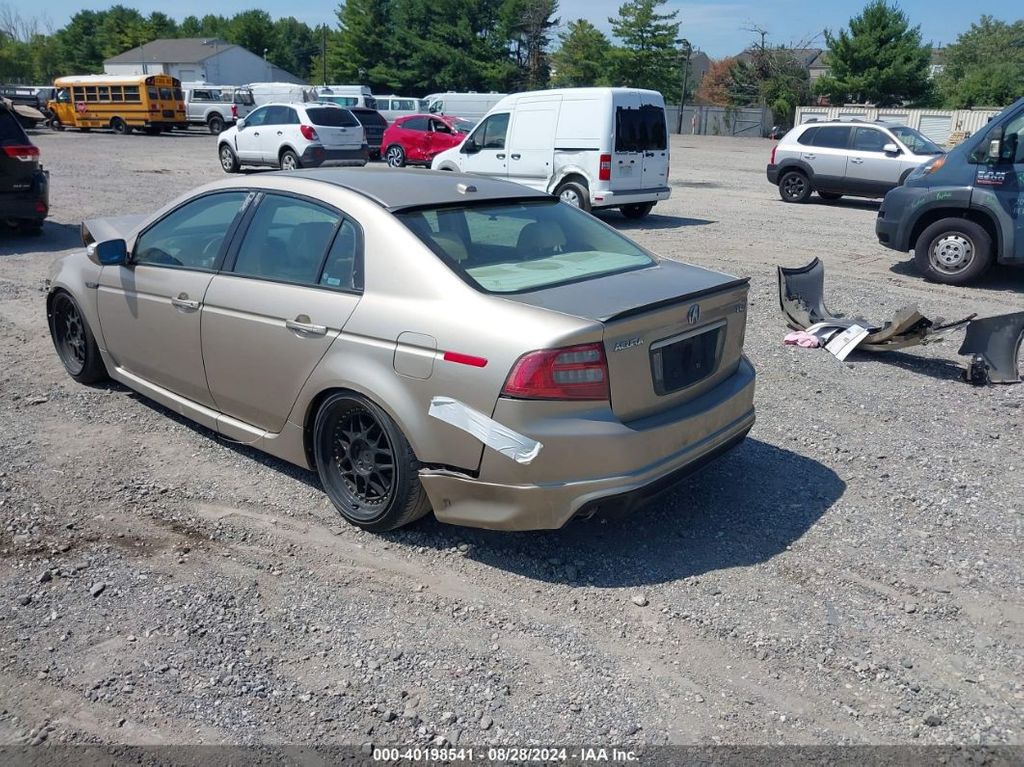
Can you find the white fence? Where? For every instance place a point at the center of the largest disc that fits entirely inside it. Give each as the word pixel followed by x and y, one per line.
pixel 937 124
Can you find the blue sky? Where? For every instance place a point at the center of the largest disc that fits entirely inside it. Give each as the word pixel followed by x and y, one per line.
pixel 716 27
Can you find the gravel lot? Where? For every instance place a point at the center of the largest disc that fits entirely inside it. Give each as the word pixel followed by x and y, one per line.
pixel 851 574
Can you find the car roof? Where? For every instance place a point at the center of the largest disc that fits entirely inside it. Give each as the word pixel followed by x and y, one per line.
pixel 852 121
pixel 400 188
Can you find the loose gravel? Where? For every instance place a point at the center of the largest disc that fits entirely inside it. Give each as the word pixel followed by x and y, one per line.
pixel 850 574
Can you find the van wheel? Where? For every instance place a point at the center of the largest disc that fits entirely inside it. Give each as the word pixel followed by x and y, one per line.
pixel 395 156
pixel 289 160
pixel 228 159
pixel 366 464
pixel 120 126
pixel 636 209
pixel 953 251
pixel 216 124
pixel 575 194
pixel 794 187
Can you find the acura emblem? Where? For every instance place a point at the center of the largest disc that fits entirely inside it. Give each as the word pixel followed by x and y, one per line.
pixel 693 314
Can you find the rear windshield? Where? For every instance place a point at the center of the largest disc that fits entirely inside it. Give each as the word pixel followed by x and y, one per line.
pixel 514 247
pixel 331 117
pixel 640 130
pixel 11 132
pixel 369 117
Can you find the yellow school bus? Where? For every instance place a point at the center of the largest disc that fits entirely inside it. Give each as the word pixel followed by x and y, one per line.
pixel 150 103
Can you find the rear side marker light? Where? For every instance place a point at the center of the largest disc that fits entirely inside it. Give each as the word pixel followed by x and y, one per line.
pixel 308 132
pixel 604 172
pixel 772 161
pixel 465 359
pixel 569 373
pixel 23 152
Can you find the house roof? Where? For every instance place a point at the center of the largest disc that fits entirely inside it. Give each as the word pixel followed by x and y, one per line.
pixel 183 50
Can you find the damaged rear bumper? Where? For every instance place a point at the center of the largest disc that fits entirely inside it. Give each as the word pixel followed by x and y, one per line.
pixel 632 463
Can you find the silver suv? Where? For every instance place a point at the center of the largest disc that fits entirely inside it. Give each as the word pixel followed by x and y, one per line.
pixel 853 157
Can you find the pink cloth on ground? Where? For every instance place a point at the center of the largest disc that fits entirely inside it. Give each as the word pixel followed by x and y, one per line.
pixel 802 338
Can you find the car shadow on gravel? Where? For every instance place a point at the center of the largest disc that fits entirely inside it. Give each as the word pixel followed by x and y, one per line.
pixel 652 221
pixel 53 238
pixel 742 510
pixel 999 278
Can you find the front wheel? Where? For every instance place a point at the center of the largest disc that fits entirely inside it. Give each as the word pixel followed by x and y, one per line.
pixel 366 464
pixel 575 194
pixel 637 210
pixel 120 127
pixel 74 341
pixel 289 160
pixel 228 159
pixel 794 186
pixel 395 156
pixel 953 251
pixel 56 124
pixel 216 124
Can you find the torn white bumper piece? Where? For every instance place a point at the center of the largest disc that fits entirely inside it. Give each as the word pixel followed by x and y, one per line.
pixel 509 443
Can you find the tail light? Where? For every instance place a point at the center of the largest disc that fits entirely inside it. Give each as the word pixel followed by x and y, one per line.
pixel 308 132
pixel 234 111
pixel 572 372
pixel 772 161
pixel 181 106
pixel 154 107
pixel 23 152
pixel 604 172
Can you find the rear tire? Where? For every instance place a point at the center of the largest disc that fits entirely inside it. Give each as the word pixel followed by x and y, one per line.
pixel 395 156
pixel 953 251
pixel 120 127
pixel 74 341
pixel 289 160
pixel 636 210
pixel 794 186
pixel 228 159
pixel 574 193
pixel 216 125
pixel 366 465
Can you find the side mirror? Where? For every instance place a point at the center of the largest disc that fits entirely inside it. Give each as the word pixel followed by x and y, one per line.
pixel 240 123
pixel 108 253
pixel 469 146
pixel 995 149
pixel 891 148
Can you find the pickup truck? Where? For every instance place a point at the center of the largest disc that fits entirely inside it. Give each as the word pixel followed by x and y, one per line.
pixel 216 106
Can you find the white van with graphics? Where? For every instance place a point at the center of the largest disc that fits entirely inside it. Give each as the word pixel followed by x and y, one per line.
pixel 593 147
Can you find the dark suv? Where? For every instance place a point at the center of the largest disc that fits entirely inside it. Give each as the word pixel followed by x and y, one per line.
pixel 24 185
pixel 374 124
pixel 962 211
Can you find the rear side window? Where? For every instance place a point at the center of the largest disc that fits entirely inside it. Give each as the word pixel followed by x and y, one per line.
pixel 807 137
pixel 11 132
pixel 331 117
pixel 415 123
pixel 341 269
pixel 286 240
pixel 832 137
pixel 640 130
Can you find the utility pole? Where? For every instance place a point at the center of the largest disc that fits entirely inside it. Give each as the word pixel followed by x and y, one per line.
pixel 687 51
pixel 323 51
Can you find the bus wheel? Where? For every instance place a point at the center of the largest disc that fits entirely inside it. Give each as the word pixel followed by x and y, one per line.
pixel 85 130
pixel 120 126
pixel 56 124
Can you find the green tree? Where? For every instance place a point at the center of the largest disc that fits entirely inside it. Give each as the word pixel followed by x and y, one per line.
pixel 190 26
pixel 527 25
pixel 253 30
pixel 360 50
pixel 985 66
pixel 583 57
pixel 79 44
pixel 120 30
pixel 294 46
pixel 648 57
pixel 880 60
pixel 162 26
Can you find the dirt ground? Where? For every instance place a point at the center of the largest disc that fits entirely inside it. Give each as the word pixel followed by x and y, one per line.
pixel 851 574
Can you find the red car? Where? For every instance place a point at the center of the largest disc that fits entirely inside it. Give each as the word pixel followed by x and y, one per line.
pixel 415 139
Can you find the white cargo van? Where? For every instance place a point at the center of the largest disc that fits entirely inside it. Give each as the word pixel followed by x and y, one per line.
pixel 347 95
pixel 593 147
pixel 468 106
pixel 283 93
pixel 393 107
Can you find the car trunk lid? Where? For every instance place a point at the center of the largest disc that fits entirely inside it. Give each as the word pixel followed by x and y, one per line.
pixel 336 127
pixel 672 331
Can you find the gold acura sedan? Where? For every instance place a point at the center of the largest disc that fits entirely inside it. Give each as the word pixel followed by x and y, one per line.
pixel 424 341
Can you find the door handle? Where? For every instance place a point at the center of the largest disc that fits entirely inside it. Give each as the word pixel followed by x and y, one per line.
pixel 256 133
pixel 810 156
pixel 302 326
pixel 500 156
pixel 280 133
pixel 516 156
pixel 184 303
pixel 857 160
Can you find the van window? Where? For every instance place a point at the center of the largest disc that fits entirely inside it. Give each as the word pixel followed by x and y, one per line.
pixel 640 130
pixel 331 117
pixel 832 137
pixel 490 134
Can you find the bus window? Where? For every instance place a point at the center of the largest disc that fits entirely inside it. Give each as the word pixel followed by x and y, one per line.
pixel 104 93
pixel 90 93
pixel 116 94
pixel 63 97
pixel 131 93
pixel 166 94
pixel 152 93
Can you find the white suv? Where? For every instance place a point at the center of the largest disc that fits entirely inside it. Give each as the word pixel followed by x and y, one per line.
pixel 290 136
pixel 853 157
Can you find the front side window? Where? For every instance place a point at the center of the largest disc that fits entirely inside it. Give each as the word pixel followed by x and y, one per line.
pixel 190 236
pixel 514 247
pixel 869 140
pixel 439 127
pixel 916 141
pixel 1011 150
pixel 490 134
pixel 832 137
pixel 286 240
pixel 257 117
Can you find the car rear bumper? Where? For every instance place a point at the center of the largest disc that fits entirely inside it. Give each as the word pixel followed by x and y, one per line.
pixel 609 199
pixel 773 174
pixel 28 204
pixel 318 155
pixel 623 465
